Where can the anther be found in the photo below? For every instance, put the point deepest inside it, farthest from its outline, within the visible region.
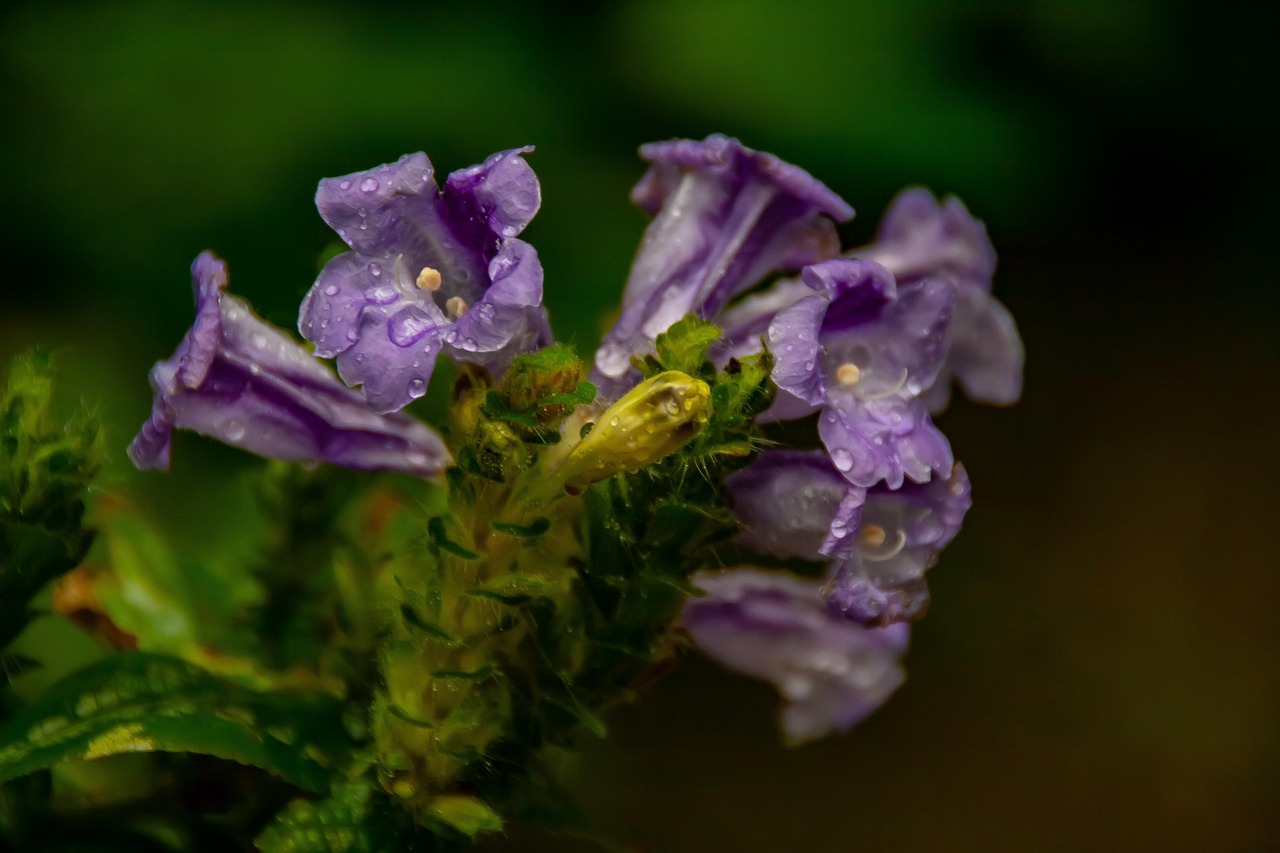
(873, 535)
(429, 279)
(456, 306)
(848, 373)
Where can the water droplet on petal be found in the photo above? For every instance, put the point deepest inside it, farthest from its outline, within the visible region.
(233, 430)
(331, 290)
(345, 185)
(417, 388)
(842, 458)
(369, 185)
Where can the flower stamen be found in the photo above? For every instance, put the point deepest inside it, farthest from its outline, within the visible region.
(456, 306)
(429, 279)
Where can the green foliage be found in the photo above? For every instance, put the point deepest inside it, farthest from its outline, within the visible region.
(45, 466)
(151, 703)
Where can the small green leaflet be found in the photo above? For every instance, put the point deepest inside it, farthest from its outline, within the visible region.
(344, 822)
(153, 703)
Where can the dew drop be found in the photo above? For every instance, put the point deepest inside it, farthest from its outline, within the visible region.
(345, 185)
(375, 270)
(369, 185)
(331, 290)
(842, 458)
(233, 430)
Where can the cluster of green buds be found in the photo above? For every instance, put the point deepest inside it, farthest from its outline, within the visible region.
(504, 638)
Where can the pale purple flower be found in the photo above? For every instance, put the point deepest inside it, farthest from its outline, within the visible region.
(793, 503)
(880, 579)
(241, 380)
(430, 270)
(725, 218)
(920, 237)
(831, 671)
(861, 350)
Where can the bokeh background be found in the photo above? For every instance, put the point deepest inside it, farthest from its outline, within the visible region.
(1100, 667)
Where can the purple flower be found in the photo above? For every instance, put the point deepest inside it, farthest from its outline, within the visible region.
(247, 383)
(429, 270)
(921, 238)
(831, 671)
(881, 577)
(725, 217)
(793, 503)
(861, 350)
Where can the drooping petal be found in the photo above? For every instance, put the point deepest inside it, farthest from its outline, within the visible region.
(789, 502)
(794, 339)
(236, 378)
(725, 217)
(881, 578)
(831, 671)
(421, 260)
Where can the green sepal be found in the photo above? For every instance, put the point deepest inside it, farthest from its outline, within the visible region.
(153, 703)
(439, 528)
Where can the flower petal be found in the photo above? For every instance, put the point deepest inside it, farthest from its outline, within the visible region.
(831, 671)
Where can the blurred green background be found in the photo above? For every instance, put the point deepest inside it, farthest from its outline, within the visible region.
(1100, 667)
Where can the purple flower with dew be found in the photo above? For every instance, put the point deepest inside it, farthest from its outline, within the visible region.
(793, 503)
(725, 218)
(241, 380)
(831, 671)
(861, 350)
(920, 237)
(880, 579)
(429, 270)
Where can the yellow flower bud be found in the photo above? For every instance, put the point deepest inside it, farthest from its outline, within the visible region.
(651, 421)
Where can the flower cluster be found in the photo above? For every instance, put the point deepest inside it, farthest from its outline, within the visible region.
(574, 549)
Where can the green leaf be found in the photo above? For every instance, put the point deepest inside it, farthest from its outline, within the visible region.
(149, 703)
(351, 820)
(45, 466)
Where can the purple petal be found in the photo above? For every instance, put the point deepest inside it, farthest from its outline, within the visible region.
(502, 192)
(922, 238)
(789, 502)
(247, 383)
(509, 318)
(986, 354)
(881, 579)
(794, 340)
(885, 439)
(726, 217)
(831, 671)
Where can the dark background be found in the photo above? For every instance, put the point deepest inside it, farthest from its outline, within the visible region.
(1100, 666)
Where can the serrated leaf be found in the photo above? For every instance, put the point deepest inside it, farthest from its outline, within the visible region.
(153, 703)
(684, 345)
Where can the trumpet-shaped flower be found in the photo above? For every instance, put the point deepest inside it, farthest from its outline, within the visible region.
(239, 379)
(880, 579)
(429, 270)
(725, 218)
(861, 350)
